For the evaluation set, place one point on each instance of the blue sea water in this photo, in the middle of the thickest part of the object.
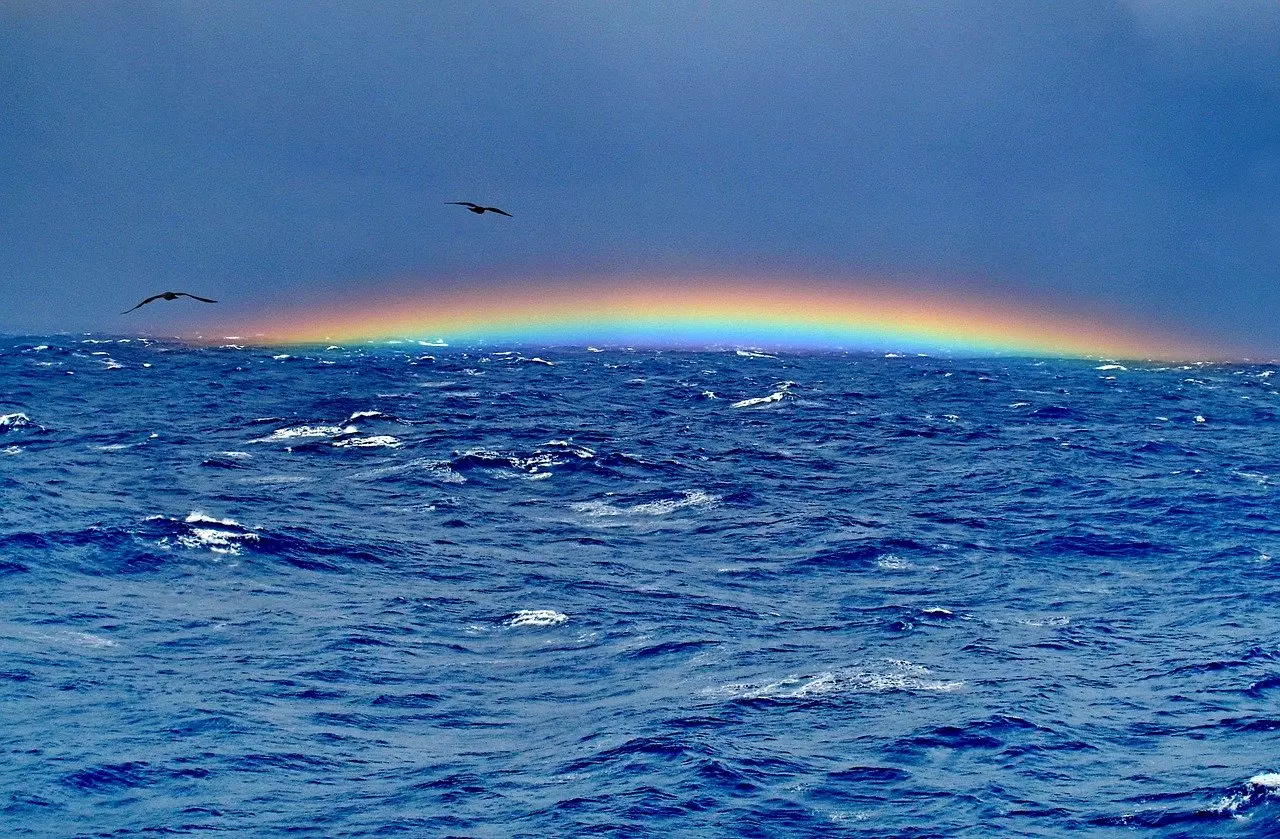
(430, 591)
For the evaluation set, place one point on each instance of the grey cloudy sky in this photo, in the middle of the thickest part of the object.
(1124, 153)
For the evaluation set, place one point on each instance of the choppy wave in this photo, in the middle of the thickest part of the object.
(357, 591)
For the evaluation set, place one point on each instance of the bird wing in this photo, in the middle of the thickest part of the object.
(463, 203)
(143, 303)
(196, 297)
(496, 210)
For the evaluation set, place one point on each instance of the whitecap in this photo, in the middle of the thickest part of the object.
(896, 676)
(536, 360)
(361, 414)
(378, 441)
(227, 537)
(581, 451)
(195, 517)
(709, 394)
(1200, 419)
(12, 450)
(753, 354)
(691, 498)
(1111, 367)
(1256, 789)
(760, 400)
(281, 357)
(537, 617)
(299, 431)
(8, 421)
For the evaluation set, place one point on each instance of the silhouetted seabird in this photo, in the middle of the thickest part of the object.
(169, 295)
(476, 208)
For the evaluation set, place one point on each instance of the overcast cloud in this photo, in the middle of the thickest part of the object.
(1125, 153)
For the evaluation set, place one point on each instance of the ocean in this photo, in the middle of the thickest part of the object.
(437, 591)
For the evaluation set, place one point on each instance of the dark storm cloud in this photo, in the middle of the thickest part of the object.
(1126, 153)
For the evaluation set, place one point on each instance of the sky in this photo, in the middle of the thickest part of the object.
(1122, 157)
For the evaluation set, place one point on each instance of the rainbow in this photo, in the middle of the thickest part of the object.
(701, 311)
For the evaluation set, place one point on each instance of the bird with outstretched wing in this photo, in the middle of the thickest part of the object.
(169, 295)
(478, 210)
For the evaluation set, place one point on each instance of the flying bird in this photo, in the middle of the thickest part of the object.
(478, 210)
(169, 295)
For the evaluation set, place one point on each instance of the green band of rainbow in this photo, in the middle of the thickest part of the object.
(719, 311)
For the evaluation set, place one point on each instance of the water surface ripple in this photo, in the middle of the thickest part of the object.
(431, 592)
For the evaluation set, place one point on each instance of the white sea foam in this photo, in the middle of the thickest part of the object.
(691, 498)
(439, 470)
(538, 617)
(195, 517)
(1200, 419)
(893, 675)
(1257, 788)
(281, 357)
(12, 450)
(301, 431)
(82, 639)
(215, 539)
(760, 400)
(236, 455)
(1111, 367)
(8, 421)
(362, 414)
(1056, 620)
(892, 563)
(377, 441)
(536, 360)
(581, 451)
(753, 354)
